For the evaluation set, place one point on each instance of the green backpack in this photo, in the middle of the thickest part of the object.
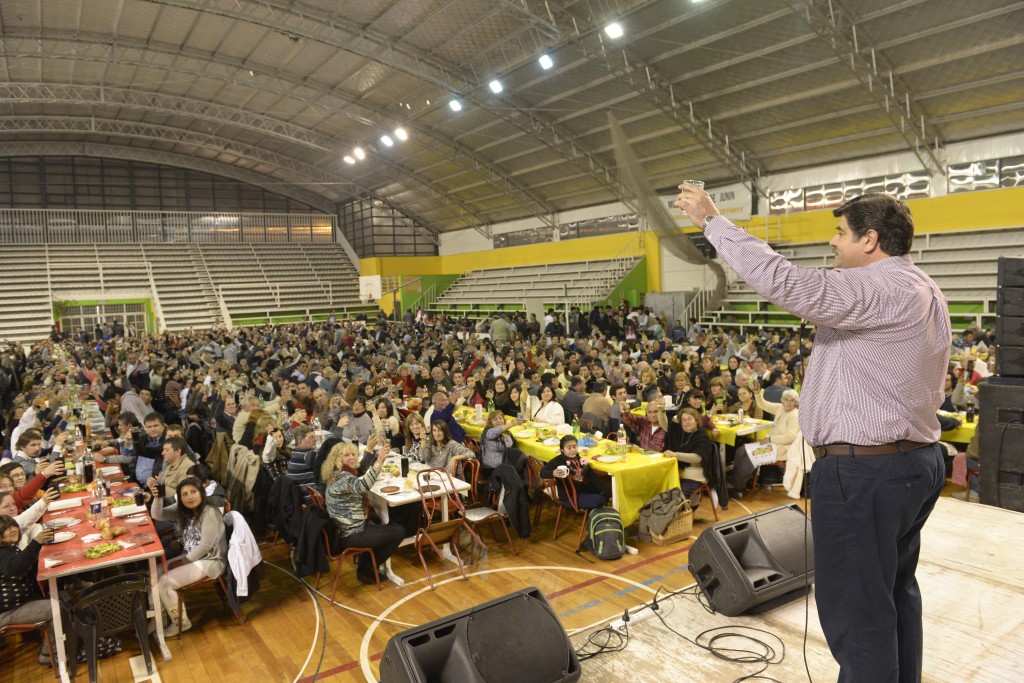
(605, 536)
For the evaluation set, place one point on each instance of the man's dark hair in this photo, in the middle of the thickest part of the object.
(616, 387)
(154, 417)
(178, 443)
(600, 386)
(575, 381)
(884, 214)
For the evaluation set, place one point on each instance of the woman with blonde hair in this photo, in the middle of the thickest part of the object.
(346, 504)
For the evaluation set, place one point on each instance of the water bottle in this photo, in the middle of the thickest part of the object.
(622, 436)
(739, 413)
(575, 425)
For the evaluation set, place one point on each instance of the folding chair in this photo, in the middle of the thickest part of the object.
(439, 532)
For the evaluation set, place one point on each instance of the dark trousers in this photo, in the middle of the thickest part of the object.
(867, 515)
(383, 538)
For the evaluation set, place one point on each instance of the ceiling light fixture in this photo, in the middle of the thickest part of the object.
(401, 134)
(360, 154)
(349, 160)
(387, 141)
(455, 105)
(546, 62)
(496, 86)
(614, 30)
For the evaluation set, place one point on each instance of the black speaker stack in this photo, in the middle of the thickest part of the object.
(1010, 323)
(757, 559)
(1001, 422)
(514, 639)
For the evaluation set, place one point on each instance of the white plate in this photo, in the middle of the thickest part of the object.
(62, 522)
(64, 504)
(92, 538)
(62, 536)
(608, 458)
(126, 510)
(109, 471)
(139, 519)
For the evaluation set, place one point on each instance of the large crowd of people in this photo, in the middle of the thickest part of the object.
(167, 398)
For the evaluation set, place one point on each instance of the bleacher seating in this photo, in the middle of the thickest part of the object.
(581, 283)
(257, 280)
(963, 264)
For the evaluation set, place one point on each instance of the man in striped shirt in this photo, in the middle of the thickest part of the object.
(870, 395)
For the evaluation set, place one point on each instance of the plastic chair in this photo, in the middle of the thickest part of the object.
(436, 532)
(106, 608)
(43, 626)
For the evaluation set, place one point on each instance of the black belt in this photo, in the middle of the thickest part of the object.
(854, 450)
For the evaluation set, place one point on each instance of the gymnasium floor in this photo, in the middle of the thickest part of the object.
(971, 583)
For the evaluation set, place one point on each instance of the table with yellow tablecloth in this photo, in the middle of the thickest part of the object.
(964, 433)
(636, 478)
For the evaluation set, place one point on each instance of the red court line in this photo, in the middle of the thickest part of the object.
(551, 596)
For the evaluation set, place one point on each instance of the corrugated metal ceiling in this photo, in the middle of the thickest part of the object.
(780, 84)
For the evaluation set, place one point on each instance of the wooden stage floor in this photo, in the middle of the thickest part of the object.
(973, 588)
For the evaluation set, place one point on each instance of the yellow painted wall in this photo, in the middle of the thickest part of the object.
(592, 248)
(970, 210)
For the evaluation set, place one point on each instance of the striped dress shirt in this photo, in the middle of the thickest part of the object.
(882, 345)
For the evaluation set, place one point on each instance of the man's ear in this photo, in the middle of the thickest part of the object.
(869, 242)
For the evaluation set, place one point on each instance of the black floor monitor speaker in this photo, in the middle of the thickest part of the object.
(752, 560)
(514, 639)
(1000, 435)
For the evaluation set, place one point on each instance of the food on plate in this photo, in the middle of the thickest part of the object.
(111, 532)
(101, 550)
(74, 488)
(121, 502)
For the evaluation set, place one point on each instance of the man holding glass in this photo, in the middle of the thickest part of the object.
(868, 408)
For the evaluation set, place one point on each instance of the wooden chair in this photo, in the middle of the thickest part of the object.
(44, 628)
(203, 583)
(469, 471)
(316, 498)
(704, 489)
(537, 484)
(438, 532)
(483, 514)
(571, 502)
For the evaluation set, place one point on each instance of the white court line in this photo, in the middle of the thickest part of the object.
(364, 647)
(316, 631)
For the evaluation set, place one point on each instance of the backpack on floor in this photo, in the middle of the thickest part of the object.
(605, 536)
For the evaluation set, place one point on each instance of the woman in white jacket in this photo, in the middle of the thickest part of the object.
(788, 439)
(543, 407)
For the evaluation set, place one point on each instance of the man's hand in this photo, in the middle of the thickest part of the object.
(696, 203)
(151, 484)
(53, 469)
(45, 536)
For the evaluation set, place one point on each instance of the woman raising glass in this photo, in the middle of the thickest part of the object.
(347, 505)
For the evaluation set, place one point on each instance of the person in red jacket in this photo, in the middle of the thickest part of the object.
(25, 494)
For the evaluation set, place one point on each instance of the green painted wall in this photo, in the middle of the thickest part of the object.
(633, 286)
